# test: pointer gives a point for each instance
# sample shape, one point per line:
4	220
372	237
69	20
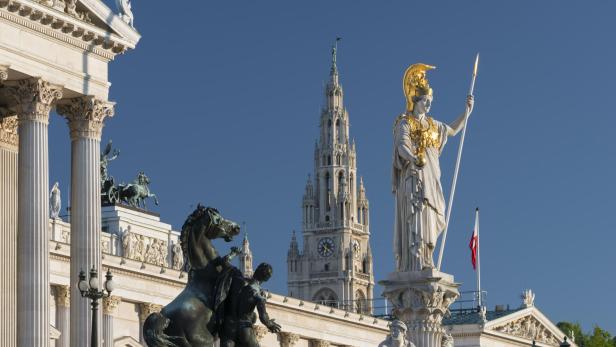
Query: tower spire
334	69
246	257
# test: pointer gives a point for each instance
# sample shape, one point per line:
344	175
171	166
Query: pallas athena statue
416	174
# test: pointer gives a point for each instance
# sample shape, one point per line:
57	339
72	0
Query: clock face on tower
326	247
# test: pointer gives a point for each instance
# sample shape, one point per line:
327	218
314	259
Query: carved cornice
63	296
287	339
85	116
72	27
110	304
8	131
146	309
34	98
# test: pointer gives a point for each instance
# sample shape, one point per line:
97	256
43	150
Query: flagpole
455	174
478	258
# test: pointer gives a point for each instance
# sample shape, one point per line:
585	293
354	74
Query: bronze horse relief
217	300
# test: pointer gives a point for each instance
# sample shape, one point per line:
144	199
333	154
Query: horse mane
187	227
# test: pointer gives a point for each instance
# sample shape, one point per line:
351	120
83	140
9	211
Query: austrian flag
474	245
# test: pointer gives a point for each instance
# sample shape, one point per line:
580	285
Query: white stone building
54	54
335	265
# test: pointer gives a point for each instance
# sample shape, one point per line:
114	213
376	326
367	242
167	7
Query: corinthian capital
287	339
4	72
8	131
34	98
146	309
110	304
85	116
63	296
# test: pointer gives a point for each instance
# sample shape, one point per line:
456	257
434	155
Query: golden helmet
415	83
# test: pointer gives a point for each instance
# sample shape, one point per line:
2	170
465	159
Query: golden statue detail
416	175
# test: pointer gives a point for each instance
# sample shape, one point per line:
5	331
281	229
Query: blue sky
220	104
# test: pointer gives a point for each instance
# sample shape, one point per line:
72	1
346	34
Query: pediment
527	324
87	24
126	341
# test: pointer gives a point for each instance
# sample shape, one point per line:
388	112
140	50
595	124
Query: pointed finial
334	54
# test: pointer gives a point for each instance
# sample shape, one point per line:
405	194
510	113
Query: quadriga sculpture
190	320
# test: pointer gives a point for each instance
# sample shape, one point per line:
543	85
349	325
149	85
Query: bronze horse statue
134	194
189	320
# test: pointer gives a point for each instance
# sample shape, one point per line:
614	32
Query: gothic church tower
335	265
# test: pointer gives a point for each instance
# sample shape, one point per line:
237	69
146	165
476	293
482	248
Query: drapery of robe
420	204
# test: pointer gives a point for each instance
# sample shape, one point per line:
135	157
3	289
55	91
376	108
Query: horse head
202	226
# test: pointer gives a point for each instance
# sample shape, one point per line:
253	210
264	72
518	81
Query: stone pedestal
421	299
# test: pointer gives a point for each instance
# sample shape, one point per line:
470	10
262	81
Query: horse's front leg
155	199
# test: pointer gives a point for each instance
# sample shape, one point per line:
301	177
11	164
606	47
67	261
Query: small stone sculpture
178	257
55	202
126	12
397	336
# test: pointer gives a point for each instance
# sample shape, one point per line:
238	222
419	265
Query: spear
455	173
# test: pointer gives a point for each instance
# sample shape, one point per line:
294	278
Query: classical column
110	306
287	339
85	117
421	299
8	228
34	99
63	324
145	309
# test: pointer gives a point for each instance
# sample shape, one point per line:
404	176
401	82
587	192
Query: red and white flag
474	243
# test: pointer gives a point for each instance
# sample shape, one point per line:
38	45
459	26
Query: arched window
329	130
329	160
338	159
326	267
326	296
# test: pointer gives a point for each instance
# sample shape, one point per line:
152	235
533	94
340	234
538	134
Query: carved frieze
145	249
85	116
529	328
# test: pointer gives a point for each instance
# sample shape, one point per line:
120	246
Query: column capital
287	339
260	331
34	98
8	131
63	295
86	115
4	72
320	343
110	304
146	309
